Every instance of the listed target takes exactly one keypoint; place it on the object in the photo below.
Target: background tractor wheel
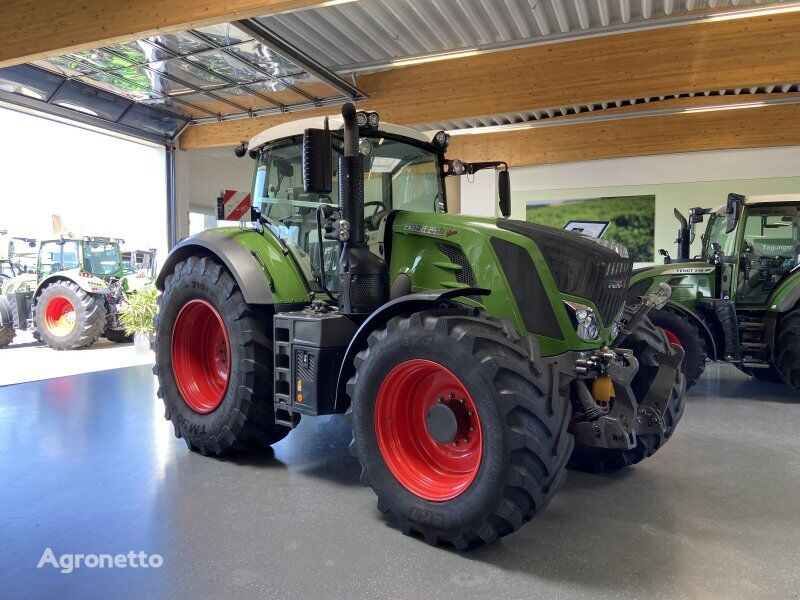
(66, 317)
(683, 331)
(12, 303)
(118, 336)
(787, 348)
(7, 330)
(646, 341)
(214, 361)
(460, 436)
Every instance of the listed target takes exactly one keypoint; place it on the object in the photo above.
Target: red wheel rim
(201, 356)
(59, 316)
(673, 339)
(432, 469)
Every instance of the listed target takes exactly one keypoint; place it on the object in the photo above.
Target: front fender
(88, 285)
(410, 303)
(787, 295)
(695, 318)
(264, 272)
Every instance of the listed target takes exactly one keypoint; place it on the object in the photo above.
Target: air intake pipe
(363, 276)
(684, 239)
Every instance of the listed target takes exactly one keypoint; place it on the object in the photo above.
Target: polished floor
(88, 465)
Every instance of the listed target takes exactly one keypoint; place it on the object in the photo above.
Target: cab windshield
(398, 174)
(715, 235)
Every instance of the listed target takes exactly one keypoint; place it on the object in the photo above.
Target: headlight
(364, 147)
(373, 120)
(584, 319)
(361, 118)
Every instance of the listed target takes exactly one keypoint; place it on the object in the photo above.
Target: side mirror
(735, 202)
(504, 183)
(317, 173)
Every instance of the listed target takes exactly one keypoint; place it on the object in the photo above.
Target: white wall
(201, 175)
(99, 184)
(676, 180)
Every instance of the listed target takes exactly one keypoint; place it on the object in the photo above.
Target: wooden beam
(33, 30)
(760, 127)
(707, 56)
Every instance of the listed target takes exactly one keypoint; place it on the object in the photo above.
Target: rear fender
(409, 303)
(787, 295)
(262, 268)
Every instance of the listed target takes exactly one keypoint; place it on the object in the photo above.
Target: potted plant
(136, 315)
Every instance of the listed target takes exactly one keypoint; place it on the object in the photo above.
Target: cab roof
(795, 198)
(292, 128)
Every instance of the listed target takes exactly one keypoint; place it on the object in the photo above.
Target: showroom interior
(400, 298)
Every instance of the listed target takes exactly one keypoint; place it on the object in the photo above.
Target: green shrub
(137, 312)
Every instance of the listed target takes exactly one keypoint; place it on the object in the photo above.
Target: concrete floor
(28, 360)
(88, 465)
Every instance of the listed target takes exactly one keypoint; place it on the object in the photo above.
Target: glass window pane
(150, 120)
(101, 60)
(139, 52)
(223, 34)
(189, 73)
(72, 64)
(181, 42)
(278, 92)
(244, 97)
(264, 58)
(90, 100)
(29, 81)
(227, 66)
(118, 85)
(173, 105)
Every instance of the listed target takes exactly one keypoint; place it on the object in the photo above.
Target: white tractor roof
(335, 122)
(773, 198)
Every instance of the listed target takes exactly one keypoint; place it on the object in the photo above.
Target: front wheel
(214, 361)
(681, 330)
(458, 432)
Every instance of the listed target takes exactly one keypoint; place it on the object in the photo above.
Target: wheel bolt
(469, 413)
(452, 395)
(472, 428)
(462, 401)
(440, 400)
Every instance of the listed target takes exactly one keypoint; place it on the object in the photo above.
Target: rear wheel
(457, 431)
(787, 348)
(67, 317)
(214, 361)
(645, 342)
(684, 332)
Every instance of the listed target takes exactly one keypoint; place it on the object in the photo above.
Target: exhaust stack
(363, 276)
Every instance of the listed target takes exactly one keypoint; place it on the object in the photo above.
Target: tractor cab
(403, 170)
(100, 257)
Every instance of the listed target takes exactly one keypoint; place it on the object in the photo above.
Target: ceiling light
(405, 62)
(701, 109)
(754, 12)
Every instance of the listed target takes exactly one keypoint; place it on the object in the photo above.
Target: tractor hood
(689, 281)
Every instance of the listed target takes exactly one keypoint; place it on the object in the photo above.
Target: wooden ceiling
(709, 55)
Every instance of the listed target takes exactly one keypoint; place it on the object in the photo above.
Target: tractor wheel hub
(447, 421)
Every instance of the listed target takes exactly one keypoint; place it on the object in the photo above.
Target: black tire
(118, 336)
(90, 316)
(691, 339)
(787, 348)
(645, 341)
(523, 422)
(244, 419)
(12, 303)
(7, 330)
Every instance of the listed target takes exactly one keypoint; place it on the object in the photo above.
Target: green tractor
(73, 299)
(739, 301)
(474, 358)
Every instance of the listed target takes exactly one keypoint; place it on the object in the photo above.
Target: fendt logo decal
(429, 229)
(688, 271)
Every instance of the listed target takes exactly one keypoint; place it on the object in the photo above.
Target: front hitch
(652, 300)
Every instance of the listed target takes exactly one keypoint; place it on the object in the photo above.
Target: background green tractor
(473, 357)
(738, 301)
(15, 275)
(73, 300)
